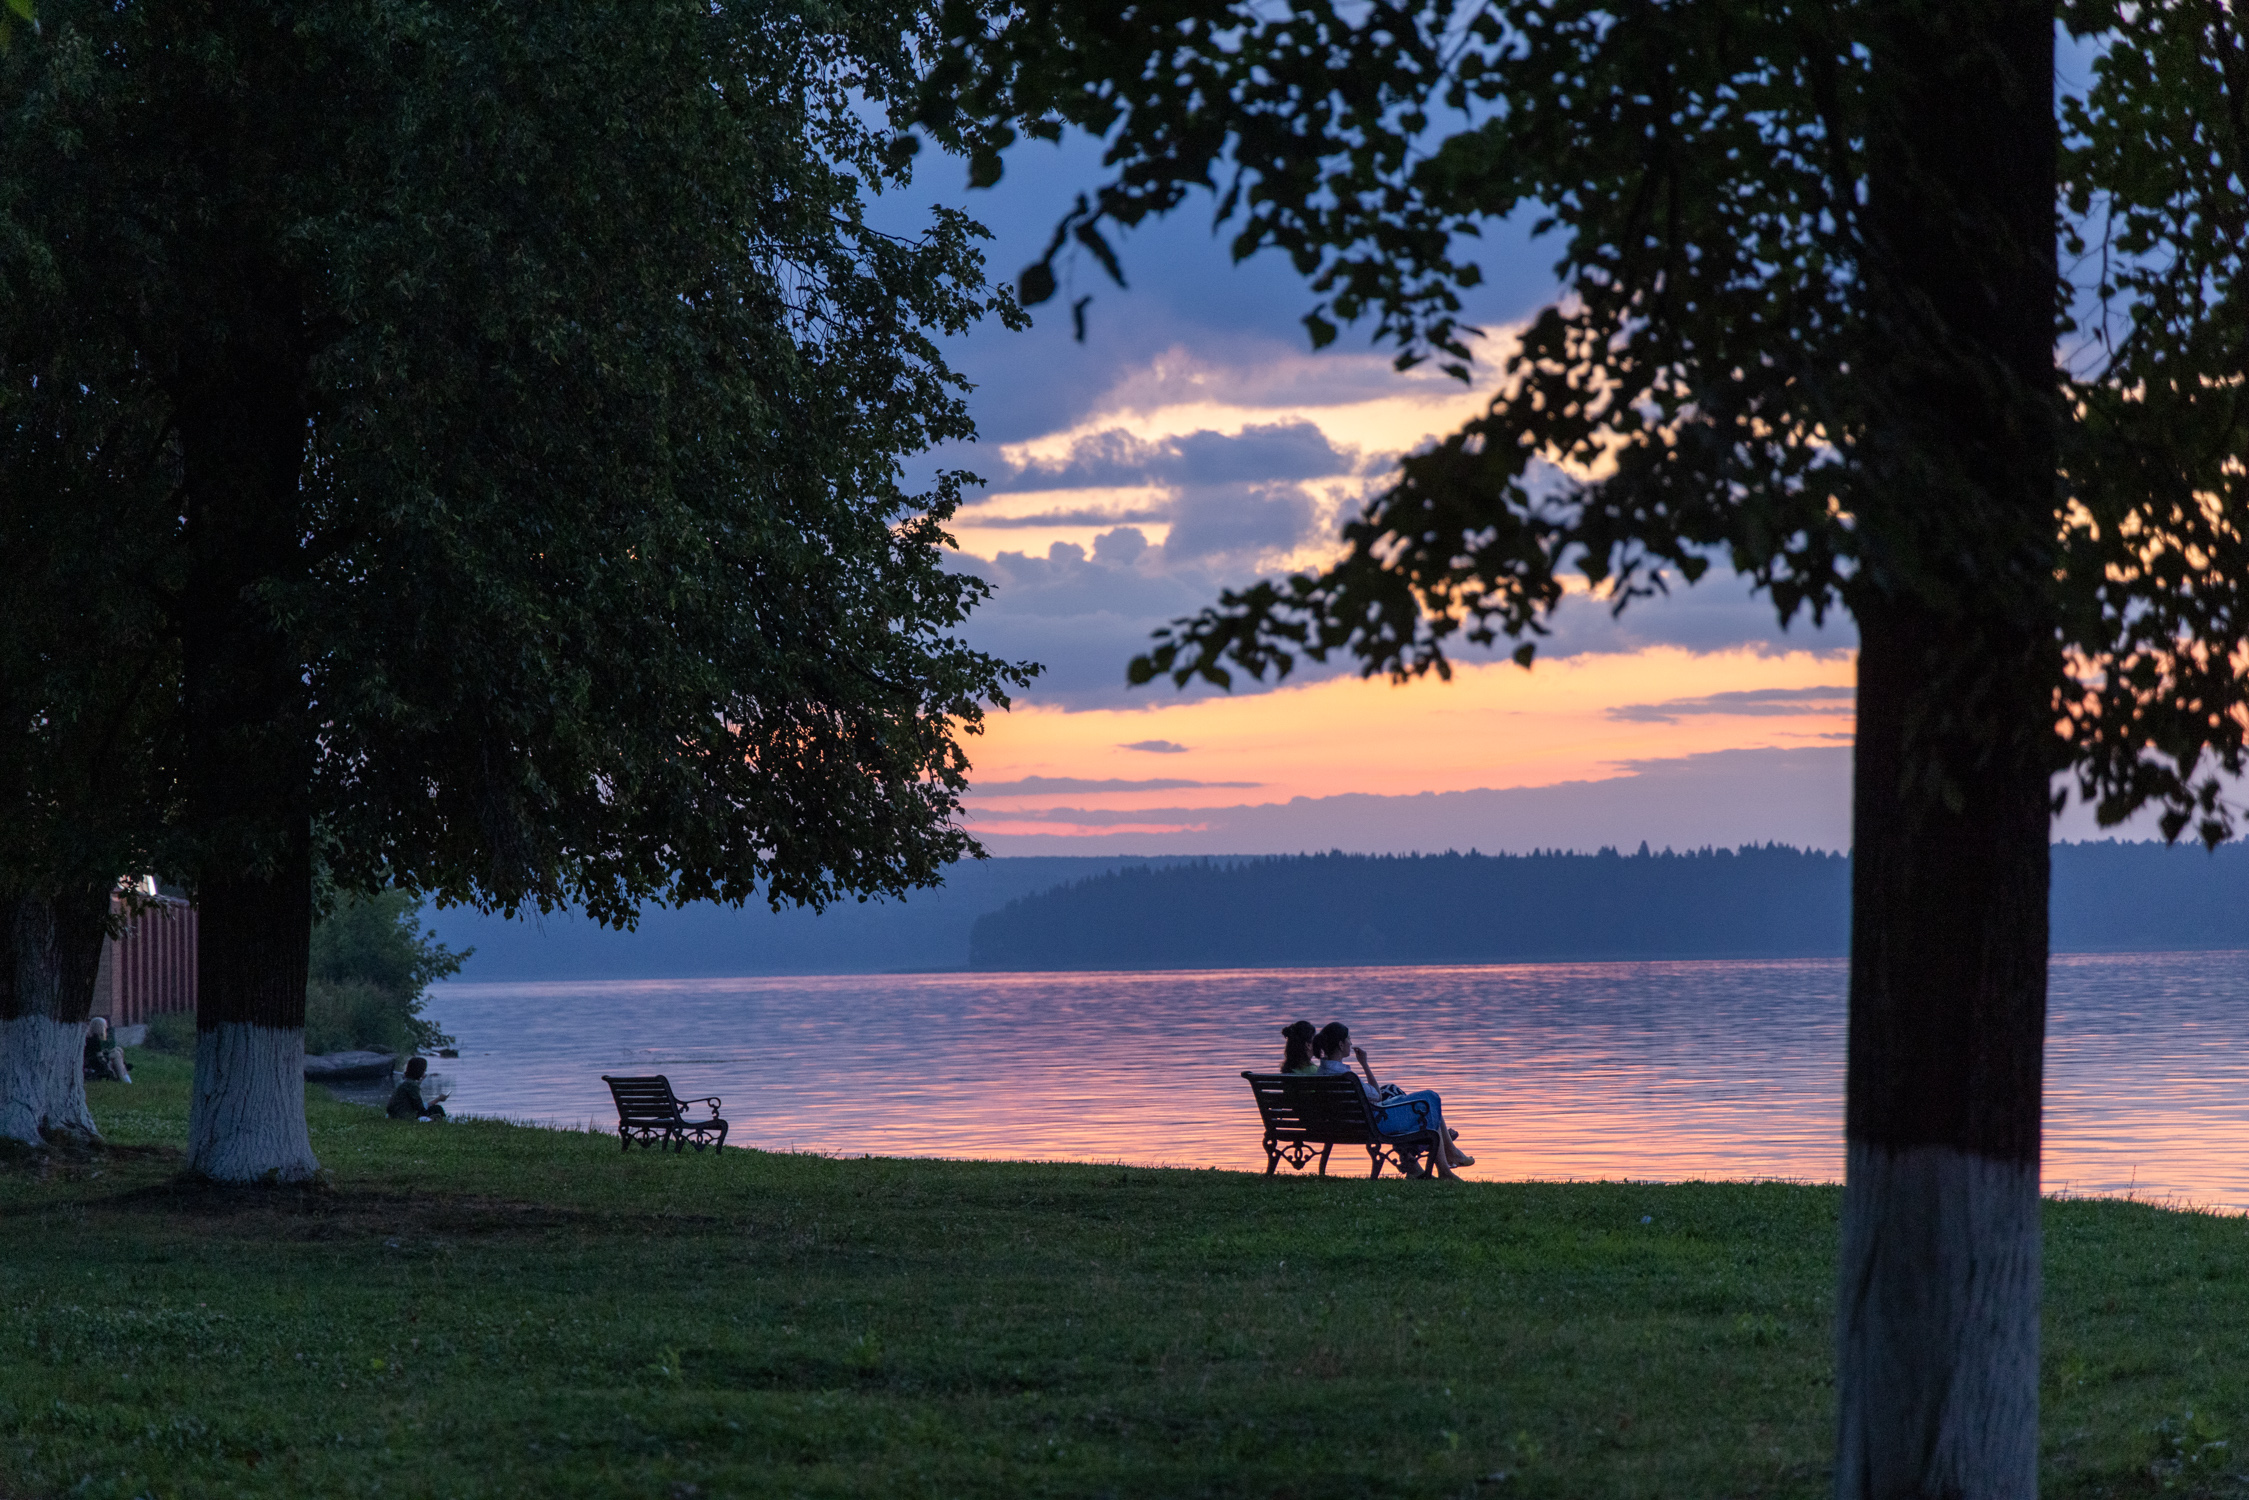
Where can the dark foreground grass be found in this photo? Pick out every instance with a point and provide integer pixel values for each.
(479, 1309)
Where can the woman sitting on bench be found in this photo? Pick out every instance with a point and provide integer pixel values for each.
(1296, 1050)
(1392, 1106)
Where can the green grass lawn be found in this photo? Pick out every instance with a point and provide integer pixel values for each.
(482, 1309)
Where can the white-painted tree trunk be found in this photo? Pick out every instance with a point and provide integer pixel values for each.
(43, 1080)
(65, 1053)
(21, 1103)
(1939, 1326)
(246, 1120)
(42, 1031)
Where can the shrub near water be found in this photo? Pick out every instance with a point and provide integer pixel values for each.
(355, 1014)
(372, 965)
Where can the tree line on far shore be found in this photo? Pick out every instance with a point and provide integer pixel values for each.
(1341, 908)
(1757, 901)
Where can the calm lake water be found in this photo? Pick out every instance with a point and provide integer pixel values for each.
(1653, 1071)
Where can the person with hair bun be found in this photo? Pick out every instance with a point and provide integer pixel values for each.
(1392, 1106)
(1296, 1052)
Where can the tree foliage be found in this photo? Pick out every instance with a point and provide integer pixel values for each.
(1727, 379)
(85, 658)
(588, 384)
(372, 966)
(2155, 561)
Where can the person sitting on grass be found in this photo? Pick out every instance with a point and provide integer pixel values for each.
(1393, 1107)
(406, 1100)
(1296, 1051)
(104, 1058)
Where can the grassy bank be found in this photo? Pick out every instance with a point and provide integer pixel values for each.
(478, 1309)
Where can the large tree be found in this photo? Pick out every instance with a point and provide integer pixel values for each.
(1812, 314)
(533, 395)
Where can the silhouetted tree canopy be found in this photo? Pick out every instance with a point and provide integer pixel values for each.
(1723, 381)
(588, 384)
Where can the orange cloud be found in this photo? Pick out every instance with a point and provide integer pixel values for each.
(1496, 726)
(997, 827)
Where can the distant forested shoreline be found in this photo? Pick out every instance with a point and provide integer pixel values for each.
(1302, 911)
(1768, 901)
(1322, 909)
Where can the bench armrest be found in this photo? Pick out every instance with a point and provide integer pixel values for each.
(712, 1100)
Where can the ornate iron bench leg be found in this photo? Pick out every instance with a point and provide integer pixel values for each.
(1325, 1151)
(707, 1134)
(1404, 1155)
(1272, 1157)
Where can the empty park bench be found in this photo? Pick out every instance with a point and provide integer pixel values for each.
(650, 1113)
(1326, 1110)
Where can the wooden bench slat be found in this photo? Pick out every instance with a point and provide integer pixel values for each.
(649, 1112)
(1303, 1110)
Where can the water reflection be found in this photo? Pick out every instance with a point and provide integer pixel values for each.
(1641, 1070)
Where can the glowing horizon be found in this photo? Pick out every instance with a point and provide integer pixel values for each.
(1495, 726)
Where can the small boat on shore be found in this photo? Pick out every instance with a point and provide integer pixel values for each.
(349, 1067)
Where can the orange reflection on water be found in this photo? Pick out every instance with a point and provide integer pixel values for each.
(1652, 1071)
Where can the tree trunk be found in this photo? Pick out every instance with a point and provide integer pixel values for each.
(246, 1120)
(1937, 1364)
(50, 950)
(242, 423)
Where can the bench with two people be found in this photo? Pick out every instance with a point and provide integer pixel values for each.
(1317, 1103)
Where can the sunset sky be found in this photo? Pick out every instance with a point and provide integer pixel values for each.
(1194, 442)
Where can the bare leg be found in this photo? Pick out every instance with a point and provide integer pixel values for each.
(1441, 1153)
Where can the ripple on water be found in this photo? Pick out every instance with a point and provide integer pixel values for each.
(1727, 1069)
